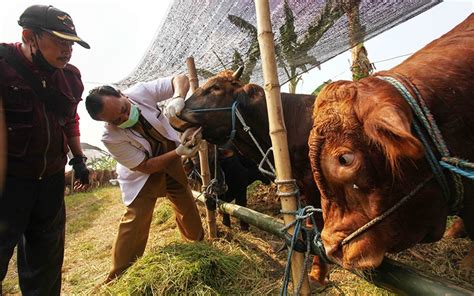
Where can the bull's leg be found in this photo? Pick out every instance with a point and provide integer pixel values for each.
(241, 200)
(226, 219)
(319, 272)
(456, 230)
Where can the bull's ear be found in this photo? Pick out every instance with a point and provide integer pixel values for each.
(248, 93)
(390, 128)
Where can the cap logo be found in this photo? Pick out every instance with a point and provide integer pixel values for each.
(67, 21)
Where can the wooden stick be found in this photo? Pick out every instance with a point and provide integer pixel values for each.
(203, 157)
(278, 131)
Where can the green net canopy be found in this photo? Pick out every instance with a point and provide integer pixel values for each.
(223, 35)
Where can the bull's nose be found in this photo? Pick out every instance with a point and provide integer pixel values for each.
(334, 252)
(332, 245)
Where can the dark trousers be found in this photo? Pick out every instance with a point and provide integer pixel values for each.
(32, 216)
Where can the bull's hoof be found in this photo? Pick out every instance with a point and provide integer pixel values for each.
(226, 220)
(244, 226)
(456, 230)
(319, 272)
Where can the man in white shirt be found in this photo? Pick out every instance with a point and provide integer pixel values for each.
(149, 164)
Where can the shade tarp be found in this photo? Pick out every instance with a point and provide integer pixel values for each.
(222, 35)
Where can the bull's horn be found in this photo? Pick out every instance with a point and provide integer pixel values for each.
(238, 73)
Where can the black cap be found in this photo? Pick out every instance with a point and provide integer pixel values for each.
(52, 20)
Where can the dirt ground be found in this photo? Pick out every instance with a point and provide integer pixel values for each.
(92, 225)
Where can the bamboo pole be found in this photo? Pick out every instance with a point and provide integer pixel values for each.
(390, 275)
(278, 132)
(203, 156)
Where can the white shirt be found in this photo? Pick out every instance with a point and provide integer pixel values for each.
(127, 146)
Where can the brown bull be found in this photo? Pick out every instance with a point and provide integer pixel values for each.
(97, 178)
(217, 96)
(368, 163)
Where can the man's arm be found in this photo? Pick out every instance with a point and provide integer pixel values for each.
(74, 144)
(157, 164)
(78, 162)
(180, 85)
(180, 89)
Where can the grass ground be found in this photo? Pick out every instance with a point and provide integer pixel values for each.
(238, 263)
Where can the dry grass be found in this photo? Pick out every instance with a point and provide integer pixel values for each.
(245, 263)
(441, 258)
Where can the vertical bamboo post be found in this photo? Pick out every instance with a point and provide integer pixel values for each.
(278, 131)
(203, 157)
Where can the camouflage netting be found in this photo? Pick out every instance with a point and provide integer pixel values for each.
(223, 34)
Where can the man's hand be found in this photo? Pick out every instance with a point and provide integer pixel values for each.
(80, 169)
(187, 150)
(174, 107)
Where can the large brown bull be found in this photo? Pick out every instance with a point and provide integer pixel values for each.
(210, 108)
(379, 193)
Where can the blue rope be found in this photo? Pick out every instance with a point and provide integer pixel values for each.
(211, 110)
(463, 172)
(424, 115)
(300, 215)
(433, 162)
(233, 110)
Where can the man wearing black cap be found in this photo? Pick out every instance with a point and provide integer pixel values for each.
(40, 91)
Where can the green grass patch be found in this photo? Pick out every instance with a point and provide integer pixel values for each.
(163, 212)
(251, 188)
(83, 208)
(181, 268)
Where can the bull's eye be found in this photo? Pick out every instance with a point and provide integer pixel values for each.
(216, 88)
(346, 159)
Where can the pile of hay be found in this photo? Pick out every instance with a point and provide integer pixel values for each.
(441, 258)
(175, 267)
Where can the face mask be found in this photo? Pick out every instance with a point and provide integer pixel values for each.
(132, 118)
(40, 61)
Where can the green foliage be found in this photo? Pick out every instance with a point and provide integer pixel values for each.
(105, 162)
(290, 47)
(319, 88)
(253, 53)
(291, 53)
(163, 212)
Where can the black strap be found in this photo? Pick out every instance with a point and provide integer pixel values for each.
(12, 58)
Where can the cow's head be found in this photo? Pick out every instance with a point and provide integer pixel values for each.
(220, 91)
(365, 159)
